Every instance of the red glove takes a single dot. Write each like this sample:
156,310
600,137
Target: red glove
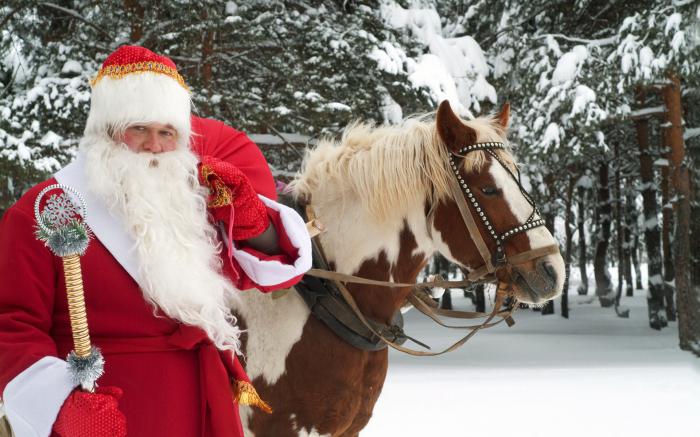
232,199
91,415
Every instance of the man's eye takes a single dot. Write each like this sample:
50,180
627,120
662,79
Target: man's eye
489,190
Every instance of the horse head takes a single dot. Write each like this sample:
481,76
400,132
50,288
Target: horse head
507,222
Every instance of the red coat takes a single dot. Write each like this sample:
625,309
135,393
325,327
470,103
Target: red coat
175,382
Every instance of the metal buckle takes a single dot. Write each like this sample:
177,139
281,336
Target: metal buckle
499,258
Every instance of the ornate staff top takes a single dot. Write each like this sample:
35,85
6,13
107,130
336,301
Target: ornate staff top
59,223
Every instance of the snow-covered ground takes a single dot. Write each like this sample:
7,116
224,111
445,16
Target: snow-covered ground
594,375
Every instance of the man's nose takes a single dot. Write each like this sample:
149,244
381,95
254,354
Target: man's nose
152,143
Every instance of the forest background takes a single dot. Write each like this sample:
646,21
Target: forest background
604,96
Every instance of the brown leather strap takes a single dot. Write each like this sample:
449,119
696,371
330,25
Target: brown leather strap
478,274
533,254
500,297
425,308
335,276
314,227
471,224
5,430
423,305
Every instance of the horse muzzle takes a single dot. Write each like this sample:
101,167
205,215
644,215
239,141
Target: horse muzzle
537,281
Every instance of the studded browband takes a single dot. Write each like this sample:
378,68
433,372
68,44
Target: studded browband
499,256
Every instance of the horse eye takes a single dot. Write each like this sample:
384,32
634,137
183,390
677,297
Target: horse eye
489,190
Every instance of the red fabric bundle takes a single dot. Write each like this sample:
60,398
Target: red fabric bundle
91,415
232,199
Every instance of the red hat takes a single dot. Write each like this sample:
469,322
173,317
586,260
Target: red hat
136,85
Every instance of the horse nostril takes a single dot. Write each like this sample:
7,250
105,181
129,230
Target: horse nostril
549,270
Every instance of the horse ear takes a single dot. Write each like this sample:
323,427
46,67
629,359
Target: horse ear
452,131
504,116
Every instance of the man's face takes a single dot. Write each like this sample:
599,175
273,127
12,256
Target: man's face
150,137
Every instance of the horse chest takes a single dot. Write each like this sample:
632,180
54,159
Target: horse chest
327,387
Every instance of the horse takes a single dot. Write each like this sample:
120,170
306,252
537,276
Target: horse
383,195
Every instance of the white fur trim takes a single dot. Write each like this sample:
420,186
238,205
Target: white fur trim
139,97
35,396
106,227
269,273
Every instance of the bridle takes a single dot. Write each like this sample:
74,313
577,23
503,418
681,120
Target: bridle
459,189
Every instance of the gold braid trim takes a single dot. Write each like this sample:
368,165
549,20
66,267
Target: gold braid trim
221,194
119,71
76,305
245,394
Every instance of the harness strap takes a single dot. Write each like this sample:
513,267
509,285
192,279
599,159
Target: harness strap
427,302
472,279
314,226
471,224
500,298
428,308
533,254
344,277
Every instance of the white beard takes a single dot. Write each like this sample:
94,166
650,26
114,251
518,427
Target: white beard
162,206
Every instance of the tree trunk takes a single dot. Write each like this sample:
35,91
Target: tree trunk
629,246
548,216
442,269
627,256
655,299
603,285
59,27
694,204
621,261
618,224
635,261
688,302
480,298
205,68
135,12
583,287
569,233
666,224
548,308
446,301
207,51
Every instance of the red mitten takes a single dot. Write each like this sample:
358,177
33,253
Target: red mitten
96,414
232,199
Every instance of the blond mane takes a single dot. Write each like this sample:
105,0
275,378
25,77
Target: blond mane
388,168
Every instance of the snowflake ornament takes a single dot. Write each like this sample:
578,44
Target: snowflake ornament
60,222
60,210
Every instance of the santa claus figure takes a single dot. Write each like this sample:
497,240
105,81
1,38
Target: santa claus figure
184,217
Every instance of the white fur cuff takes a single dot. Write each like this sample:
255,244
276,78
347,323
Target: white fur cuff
35,396
270,273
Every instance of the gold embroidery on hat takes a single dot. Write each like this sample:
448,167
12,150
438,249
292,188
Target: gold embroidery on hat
119,71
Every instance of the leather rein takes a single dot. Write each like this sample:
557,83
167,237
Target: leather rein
497,266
